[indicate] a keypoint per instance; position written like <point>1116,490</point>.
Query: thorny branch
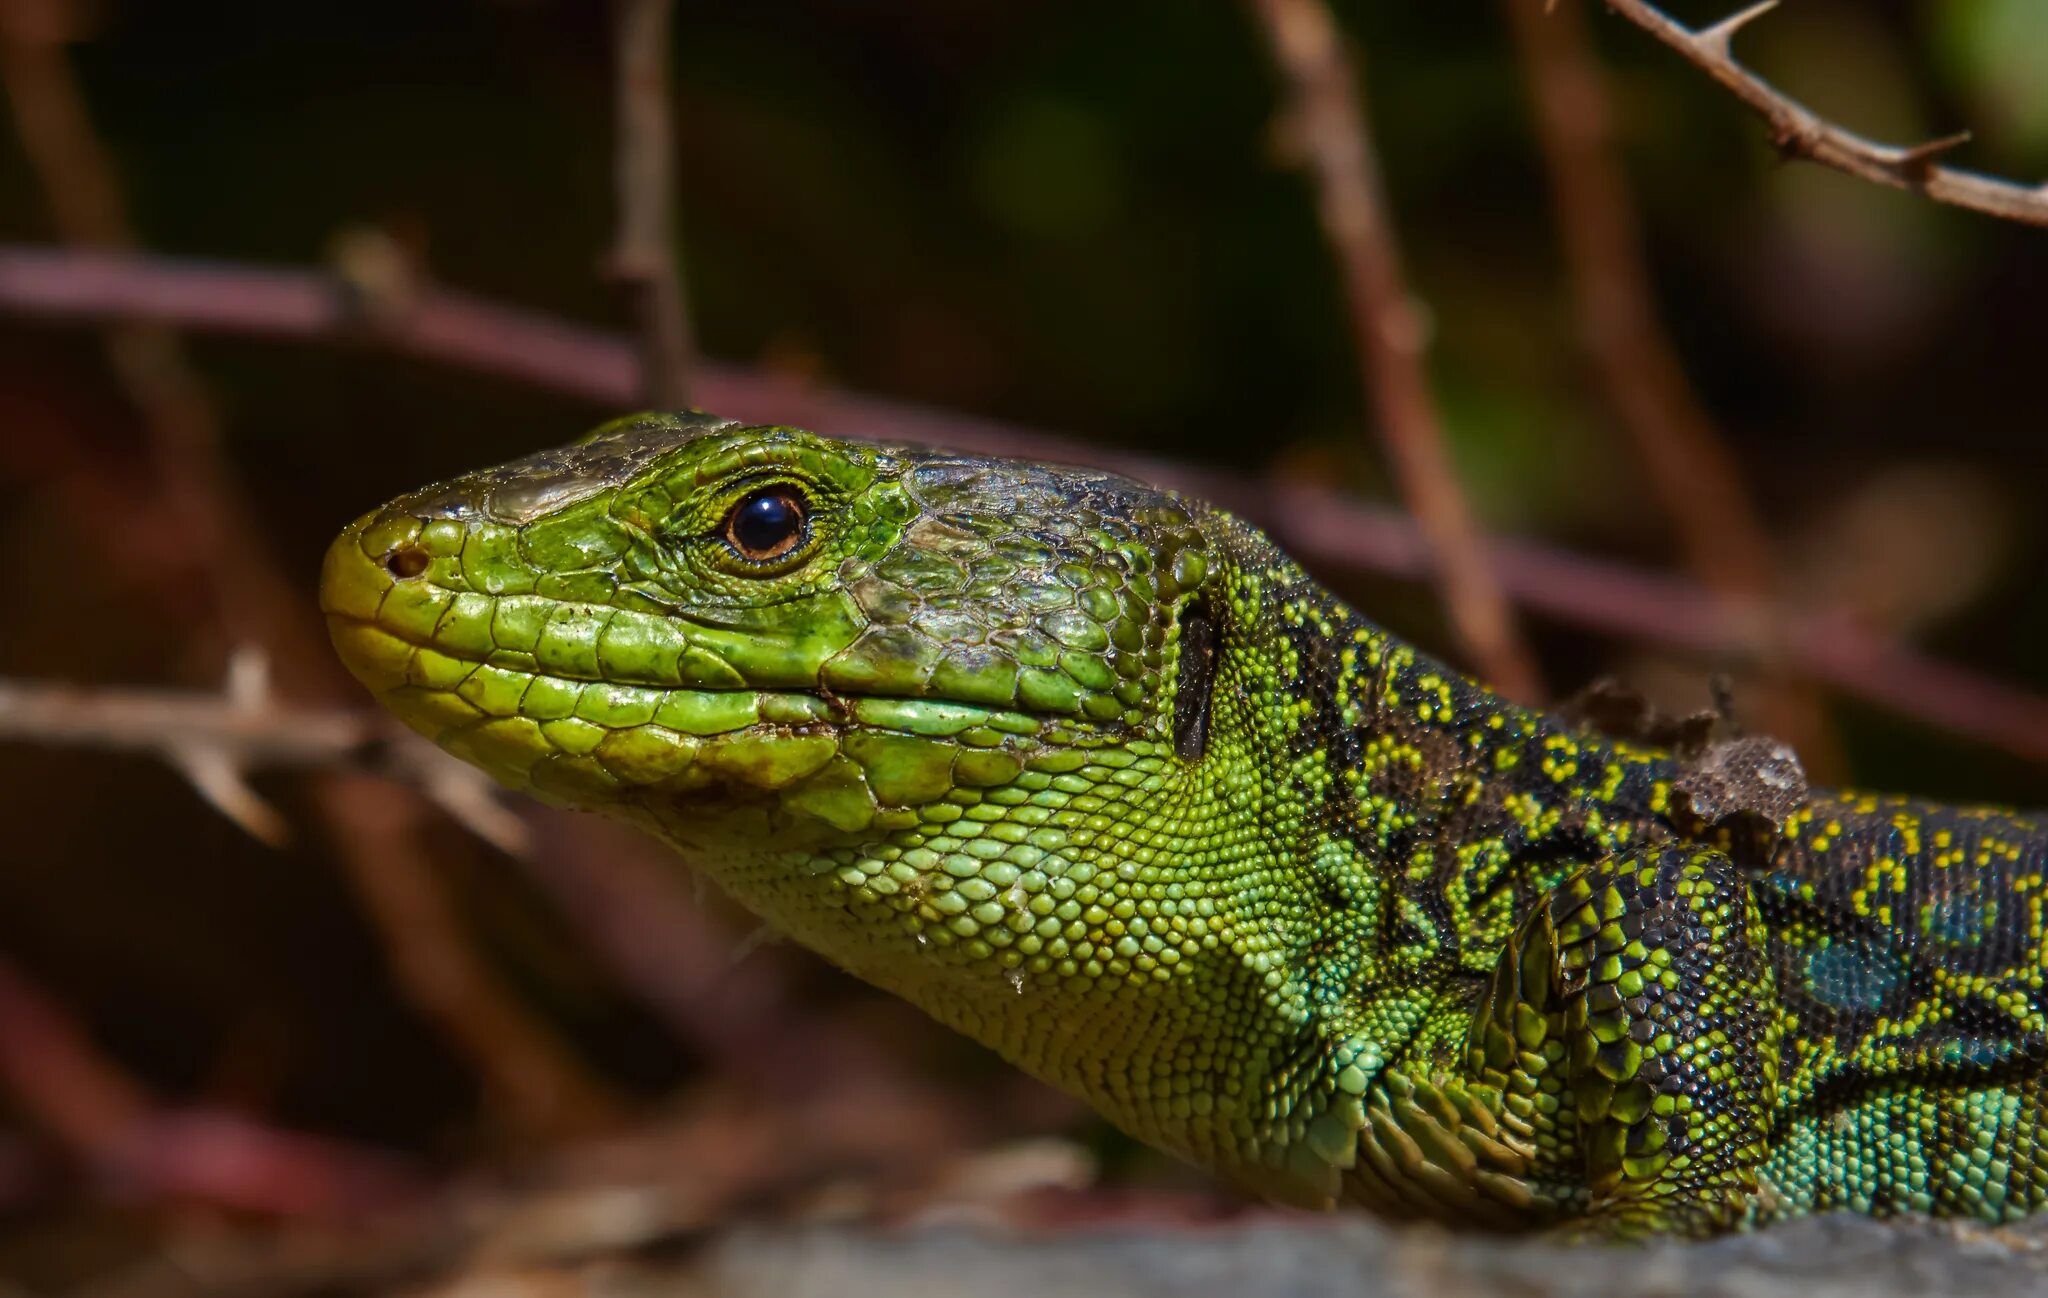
<point>1801,133</point>
<point>644,256</point>
<point>1320,526</point>
<point>1329,120</point>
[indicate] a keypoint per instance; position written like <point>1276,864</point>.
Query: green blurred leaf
<point>1045,167</point>
<point>1998,50</point>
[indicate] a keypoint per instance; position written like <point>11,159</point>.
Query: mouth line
<point>849,762</point>
<point>507,684</point>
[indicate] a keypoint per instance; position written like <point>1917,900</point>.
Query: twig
<point>644,259</point>
<point>234,734</point>
<point>619,888</point>
<point>83,192</point>
<point>245,729</point>
<point>1329,118</point>
<point>1720,531</point>
<point>1801,133</point>
<point>144,1150</point>
<point>1320,526</point>
<point>622,887</point>
<point>438,968</point>
<point>1723,536</point>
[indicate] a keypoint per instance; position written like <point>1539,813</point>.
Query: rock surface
<point>1820,1258</point>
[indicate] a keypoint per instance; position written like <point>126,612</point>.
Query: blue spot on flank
<point>1976,1052</point>
<point>1958,920</point>
<point>1851,977</point>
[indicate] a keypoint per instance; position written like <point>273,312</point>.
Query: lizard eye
<point>767,524</point>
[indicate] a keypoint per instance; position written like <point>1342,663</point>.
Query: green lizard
<point>1095,774</point>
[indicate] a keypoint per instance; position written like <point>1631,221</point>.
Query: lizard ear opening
<point>1194,681</point>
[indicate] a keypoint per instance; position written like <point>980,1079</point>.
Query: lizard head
<point>967,727</point>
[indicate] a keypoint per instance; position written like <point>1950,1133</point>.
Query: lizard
<point>1095,774</point>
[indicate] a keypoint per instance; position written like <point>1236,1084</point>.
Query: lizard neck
<point>1390,823</point>
<point>1480,806</point>
<point>1431,814</point>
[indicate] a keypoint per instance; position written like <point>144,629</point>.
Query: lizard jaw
<point>626,715</point>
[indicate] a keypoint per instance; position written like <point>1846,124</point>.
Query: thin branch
<point>437,966</point>
<point>619,888</point>
<point>1694,475</point>
<point>1720,530</point>
<point>644,260</point>
<point>245,730</point>
<point>1799,132</point>
<point>235,734</point>
<point>752,1016</point>
<point>1320,527</point>
<point>1329,118</point>
<point>83,192</point>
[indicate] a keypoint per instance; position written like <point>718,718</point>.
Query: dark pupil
<point>767,523</point>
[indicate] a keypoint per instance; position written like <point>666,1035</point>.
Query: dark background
<point>1071,215</point>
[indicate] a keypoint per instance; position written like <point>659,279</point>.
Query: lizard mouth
<point>582,740</point>
<point>587,704</point>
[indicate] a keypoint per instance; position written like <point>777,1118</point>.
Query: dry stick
<point>1723,536</point>
<point>1319,526</point>
<point>644,257</point>
<point>618,887</point>
<point>1800,133</point>
<point>1330,119</point>
<point>245,729</point>
<point>1721,533</point>
<point>439,970</point>
<point>84,196</point>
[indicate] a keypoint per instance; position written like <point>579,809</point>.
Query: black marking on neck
<point>1195,681</point>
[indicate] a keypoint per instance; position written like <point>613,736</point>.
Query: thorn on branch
<point>1720,38</point>
<point>1799,132</point>
<point>220,780</point>
<point>1919,159</point>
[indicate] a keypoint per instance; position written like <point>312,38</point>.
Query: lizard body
<point>1095,774</point>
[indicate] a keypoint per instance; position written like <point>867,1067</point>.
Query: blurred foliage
<point>1064,213</point>
<point>1995,50</point>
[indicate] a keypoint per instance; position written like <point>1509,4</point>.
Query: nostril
<point>406,561</point>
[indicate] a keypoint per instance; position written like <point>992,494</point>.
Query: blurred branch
<point>542,1084</point>
<point>618,887</point>
<point>143,1150</point>
<point>644,259</point>
<point>1720,531</point>
<point>1328,117</point>
<point>1319,526</point>
<point>1800,133</point>
<point>83,192</point>
<point>621,887</point>
<point>1724,538</point>
<point>219,740</point>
